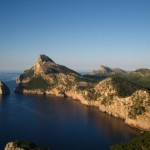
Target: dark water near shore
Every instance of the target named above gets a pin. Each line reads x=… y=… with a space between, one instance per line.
x=62 y=124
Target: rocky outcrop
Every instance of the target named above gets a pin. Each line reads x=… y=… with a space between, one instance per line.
x=4 y=89
x=23 y=145
x=114 y=95
x=103 y=70
x=11 y=146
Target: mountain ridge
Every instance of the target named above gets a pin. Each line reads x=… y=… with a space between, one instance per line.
x=139 y=76
x=105 y=70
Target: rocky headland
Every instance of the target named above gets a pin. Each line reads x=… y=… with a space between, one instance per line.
x=23 y=145
x=4 y=89
x=113 y=95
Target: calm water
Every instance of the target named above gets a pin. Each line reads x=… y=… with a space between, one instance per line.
x=62 y=124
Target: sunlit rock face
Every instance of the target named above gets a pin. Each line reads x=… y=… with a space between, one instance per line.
x=22 y=145
x=4 y=89
x=10 y=146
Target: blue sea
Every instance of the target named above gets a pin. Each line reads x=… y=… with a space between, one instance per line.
x=58 y=123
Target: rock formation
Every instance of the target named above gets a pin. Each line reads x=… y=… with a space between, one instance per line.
x=103 y=70
x=114 y=95
x=23 y=145
x=4 y=89
x=11 y=146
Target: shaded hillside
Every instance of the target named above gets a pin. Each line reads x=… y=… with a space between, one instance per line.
x=141 y=142
x=124 y=88
x=139 y=76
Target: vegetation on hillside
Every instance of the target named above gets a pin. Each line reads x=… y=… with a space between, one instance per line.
x=141 y=142
x=140 y=77
x=124 y=88
x=28 y=73
x=27 y=145
x=143 y=81
x=37 y=82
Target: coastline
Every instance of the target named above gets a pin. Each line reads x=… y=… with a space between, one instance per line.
x=113 y=110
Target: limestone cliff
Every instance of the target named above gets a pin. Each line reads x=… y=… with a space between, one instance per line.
x=4 y=89
x=114 y=95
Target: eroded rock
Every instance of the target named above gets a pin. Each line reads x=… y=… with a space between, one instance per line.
x=4 y=89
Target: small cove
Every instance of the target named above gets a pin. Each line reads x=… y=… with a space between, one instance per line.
x=58 y=123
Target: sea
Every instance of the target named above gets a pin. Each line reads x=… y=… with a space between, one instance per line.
x=57 y=123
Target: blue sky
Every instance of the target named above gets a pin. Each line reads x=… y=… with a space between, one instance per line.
x=80 y=34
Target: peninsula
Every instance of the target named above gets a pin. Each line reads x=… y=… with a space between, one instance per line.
x=113 y=95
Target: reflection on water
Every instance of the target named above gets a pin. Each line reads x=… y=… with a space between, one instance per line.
x=58 y=123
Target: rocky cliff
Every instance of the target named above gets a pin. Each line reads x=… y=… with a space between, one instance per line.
x=114 y=95
x=4 y=89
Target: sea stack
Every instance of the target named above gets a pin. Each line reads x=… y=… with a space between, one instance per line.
x=4 y=89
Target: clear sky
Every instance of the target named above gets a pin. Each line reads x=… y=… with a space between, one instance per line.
x=80 y=34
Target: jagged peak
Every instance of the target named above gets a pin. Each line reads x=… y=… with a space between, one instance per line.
x=105 y=69
x=44 y=58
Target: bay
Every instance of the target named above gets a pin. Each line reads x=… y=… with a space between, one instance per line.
x=57 y=123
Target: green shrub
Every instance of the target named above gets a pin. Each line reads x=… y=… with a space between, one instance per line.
x=28 y=73
x=124 y=88
x=92 y=94
x=135 y=111
x=141 y=142
x=37 y=82
x=107 y=100
x=27 y=145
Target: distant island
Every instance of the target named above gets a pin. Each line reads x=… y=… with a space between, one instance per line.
x=114 y=95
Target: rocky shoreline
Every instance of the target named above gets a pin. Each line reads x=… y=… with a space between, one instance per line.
x=116 y=110
x=23 y=145
x=115 y=96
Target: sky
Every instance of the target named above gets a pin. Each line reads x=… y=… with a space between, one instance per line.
x=80 y=34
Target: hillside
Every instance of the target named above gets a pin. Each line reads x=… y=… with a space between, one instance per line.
x=113 y=95
x=138 y=143
x=139 y=76
x=104 y=70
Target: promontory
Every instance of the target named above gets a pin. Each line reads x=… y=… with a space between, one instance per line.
x=113 y=95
